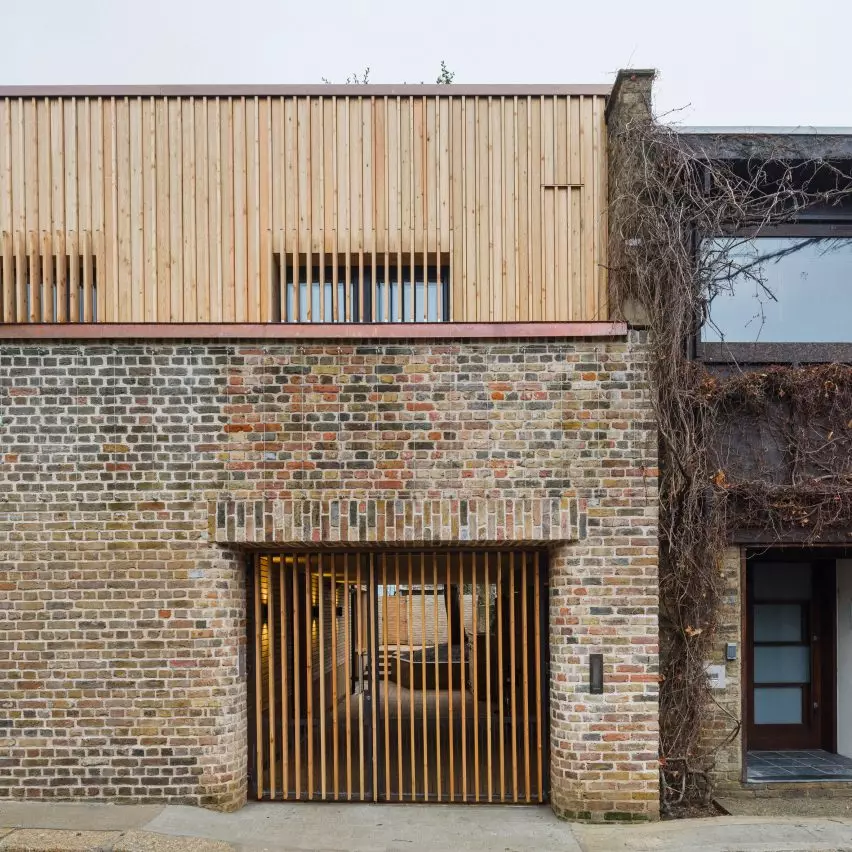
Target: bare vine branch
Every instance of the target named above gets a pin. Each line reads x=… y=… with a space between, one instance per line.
x=665 y=194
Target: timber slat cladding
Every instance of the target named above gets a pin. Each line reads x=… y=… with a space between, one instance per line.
x=398 y=676
x=196 y=209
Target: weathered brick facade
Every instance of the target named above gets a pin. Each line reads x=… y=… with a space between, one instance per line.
x=122 y=611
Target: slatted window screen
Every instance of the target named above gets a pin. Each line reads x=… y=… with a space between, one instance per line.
x=48 y=278
x=349 y=293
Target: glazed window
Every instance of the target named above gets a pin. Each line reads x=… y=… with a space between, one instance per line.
x=794 y=288
x=326 y=294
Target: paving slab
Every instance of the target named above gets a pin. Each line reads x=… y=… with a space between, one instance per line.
x=805 y=806
x=52 y=840
x=147 y=841
x=720 y=834
x=82 y=816
x=374 y=828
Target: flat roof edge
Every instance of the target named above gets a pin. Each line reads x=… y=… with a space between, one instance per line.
x=316 y=89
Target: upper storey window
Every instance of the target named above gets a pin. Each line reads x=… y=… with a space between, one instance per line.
x=793 y=287
x=399 y=294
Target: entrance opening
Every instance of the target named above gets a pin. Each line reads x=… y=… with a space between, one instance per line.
x=798 y=665
x=398 y=676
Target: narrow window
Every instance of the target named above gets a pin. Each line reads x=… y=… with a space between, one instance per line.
x=339 y=294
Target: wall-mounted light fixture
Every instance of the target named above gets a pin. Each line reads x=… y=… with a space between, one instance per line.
x=596 y=674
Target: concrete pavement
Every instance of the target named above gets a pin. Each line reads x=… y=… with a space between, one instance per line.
x=327 y=827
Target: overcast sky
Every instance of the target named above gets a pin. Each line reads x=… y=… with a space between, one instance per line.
x=722 y=62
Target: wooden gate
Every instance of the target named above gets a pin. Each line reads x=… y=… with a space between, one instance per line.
x=411 y=676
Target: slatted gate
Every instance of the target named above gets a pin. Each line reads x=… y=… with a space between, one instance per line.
x=412 y=676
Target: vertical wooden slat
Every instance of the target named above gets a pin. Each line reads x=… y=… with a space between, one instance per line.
x=411 y=691
x=263 y=200
x=258 y=678
x=57 y=166
x=515 y=310
x=309 y=690
x=74 y=278
x=334 y=710
x=161 y=203
x=385 y=661
x=48 y=303
x=228 y=215
x=61 y=283
x=6 y=171
x=35 y=275
x=501 y=670
x=273 y=724
x=401 y=781
x=513 y=688
x=528 y=280
x=463 y=686
x=201 y=258
x=425 y=722
x=599 y=214
x=538 y=677
x=435 y=225
x=450 y=681
x=21 y=270
x=240 y=210
x=297 y=680
x=525 y=652
x=253 y=234
x=8 y=314
x=283 y=629
x=364 y=645
x=374 y=678
x=348 y=651
x=474 y=660
x=322 y=673
x=91 y=300
x=437 y=645
x=490 y=765
x=338 y=312
x=136 y=210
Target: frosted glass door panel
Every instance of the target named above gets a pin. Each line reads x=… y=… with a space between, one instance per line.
x=778 y=623
x=778 y=706
x=782 y=664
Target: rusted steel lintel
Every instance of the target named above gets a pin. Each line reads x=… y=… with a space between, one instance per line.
x=309 y=331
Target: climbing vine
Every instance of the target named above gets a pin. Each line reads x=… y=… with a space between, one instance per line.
x=740 y=448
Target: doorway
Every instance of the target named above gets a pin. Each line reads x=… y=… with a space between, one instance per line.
x=790 y=652
x=416 y=676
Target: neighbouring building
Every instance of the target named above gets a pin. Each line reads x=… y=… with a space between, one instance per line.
x=325 y=471
x=774 y=344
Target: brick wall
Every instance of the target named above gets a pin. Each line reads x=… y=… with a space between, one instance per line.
x=122 y=613
x=723 y=732
x=604 y=599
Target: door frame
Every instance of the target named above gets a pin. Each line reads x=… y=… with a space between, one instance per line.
x=823 y=650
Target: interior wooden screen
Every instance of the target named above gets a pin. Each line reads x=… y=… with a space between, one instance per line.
x=399 y=676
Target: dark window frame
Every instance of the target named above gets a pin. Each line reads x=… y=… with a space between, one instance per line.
x=793 y=352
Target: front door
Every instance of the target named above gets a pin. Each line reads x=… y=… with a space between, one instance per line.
x=790 y=669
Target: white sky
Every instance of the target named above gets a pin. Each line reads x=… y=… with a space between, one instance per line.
x=725 y=62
